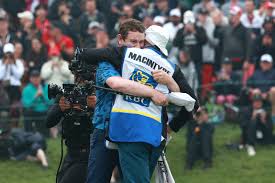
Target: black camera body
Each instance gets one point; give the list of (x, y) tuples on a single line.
[(80, 68), (74, 94), (84, 87)]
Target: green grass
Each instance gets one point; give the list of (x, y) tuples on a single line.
[(228, 166)]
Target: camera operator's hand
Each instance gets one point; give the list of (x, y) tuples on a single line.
[(91, 101), (159, 98), (63, 104)]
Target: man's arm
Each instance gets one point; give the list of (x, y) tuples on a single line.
[(106, 74), (134, 88), (183, 115), (113, 55), (54, 114)]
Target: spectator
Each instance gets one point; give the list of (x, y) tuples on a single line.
[(263, 82), (251, 18), (5, 35), (220, 21), (24, 146), (32, 4), (236, 40), (35, 102), (42, 23), (18, 51), (226, 7), (192, 37), (208, 51), (56, 70), (127, 10), (174, 23), (147, 21), (67, 21), (140, 8), (60, 42), (90, 14), (226, 86), (200, 140), (102, 39), (36, 56), (205, 5), (26, 32), (187, 67), (264, 44), (159, 20), (90, 40), (267, 9), (256, 125), (161, 8), (11, 72)]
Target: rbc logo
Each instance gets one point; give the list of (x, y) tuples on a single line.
[(145, 79)]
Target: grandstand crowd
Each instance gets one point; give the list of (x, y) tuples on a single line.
[(225, 48)]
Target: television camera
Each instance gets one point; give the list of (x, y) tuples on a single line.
[(76, 93)]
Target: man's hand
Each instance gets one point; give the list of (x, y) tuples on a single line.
[(161, 77), (159, 98), (165, 79), (91, 101), (38, 93), (63, 104)]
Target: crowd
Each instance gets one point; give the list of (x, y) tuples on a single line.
[(224, 48)]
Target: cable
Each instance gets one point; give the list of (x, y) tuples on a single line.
[(61, 157)]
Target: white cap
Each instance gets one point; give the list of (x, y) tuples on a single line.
[(175, 12), (25, 14), (188, 17), (94, 24), (266, 58), (235, 10), (8, 48), (159, 19), (157, 36)]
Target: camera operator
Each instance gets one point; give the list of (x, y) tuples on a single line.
[(76, 132), (200, 140), (256, 124)]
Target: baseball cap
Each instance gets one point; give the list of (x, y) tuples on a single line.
[(235, 10), (188, 17), (25, 14), (157, 36), (159, 19), (3, 14), (34, 73), (266, 58), (8, 48), (203, 11), (94, 24), (269, 4), (226, 60), (175, 12)]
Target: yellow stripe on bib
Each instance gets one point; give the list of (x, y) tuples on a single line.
[(136, 112)]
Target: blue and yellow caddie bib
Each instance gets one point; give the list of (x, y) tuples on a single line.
[(138, 119)]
